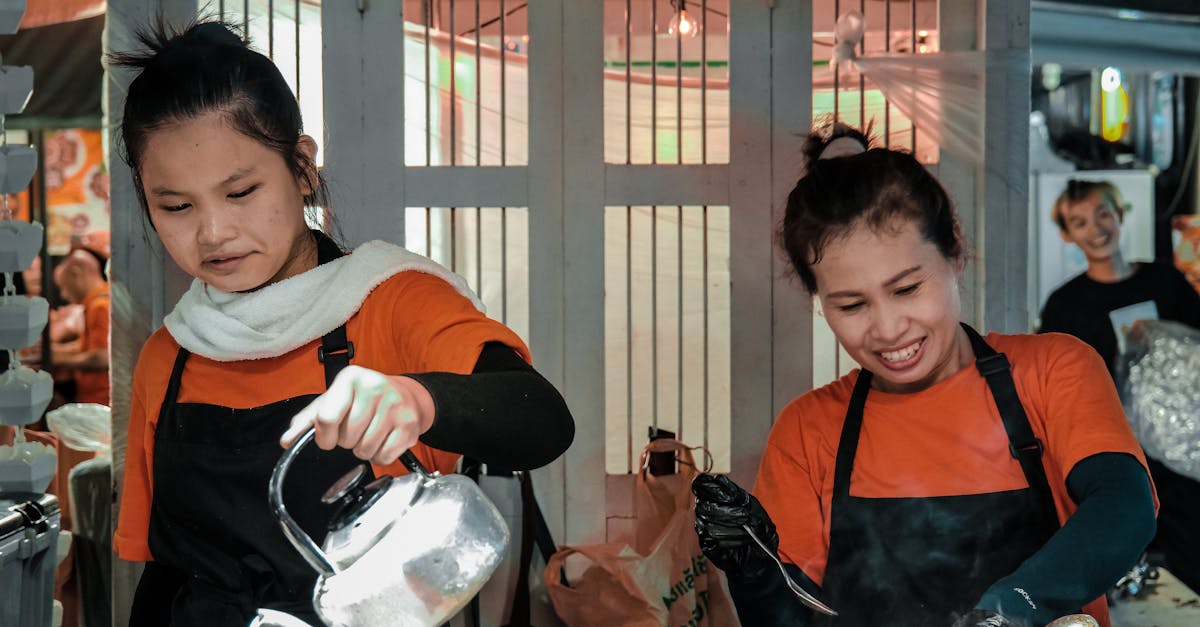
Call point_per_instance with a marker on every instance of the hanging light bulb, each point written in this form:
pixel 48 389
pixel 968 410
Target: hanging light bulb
pixel 683 25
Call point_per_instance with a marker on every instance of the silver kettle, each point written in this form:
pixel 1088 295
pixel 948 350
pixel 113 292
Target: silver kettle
pixel 402 551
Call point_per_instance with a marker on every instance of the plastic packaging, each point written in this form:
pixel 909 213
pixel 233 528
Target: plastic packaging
pixel 1158 376
pixel 82 426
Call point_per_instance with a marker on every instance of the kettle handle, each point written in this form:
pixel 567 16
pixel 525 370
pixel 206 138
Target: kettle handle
pixel 414 465
pixel 304 544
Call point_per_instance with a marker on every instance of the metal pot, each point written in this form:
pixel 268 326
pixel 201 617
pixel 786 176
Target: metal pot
pixel 402 551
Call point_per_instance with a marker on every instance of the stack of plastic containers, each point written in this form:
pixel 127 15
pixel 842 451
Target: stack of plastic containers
pixel 29 519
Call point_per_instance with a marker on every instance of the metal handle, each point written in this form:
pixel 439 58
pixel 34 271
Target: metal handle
pixel 304 544
pixel 414 465
pixel 805 598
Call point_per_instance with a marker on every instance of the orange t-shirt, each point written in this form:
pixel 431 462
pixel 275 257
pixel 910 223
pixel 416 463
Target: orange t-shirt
pixel 413 322
pixel 945 440
pixel 91 386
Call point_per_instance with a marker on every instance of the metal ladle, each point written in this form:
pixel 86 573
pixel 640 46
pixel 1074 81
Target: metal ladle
pixel 805 598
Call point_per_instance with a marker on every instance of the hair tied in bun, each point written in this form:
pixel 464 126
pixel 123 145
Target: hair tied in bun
pixel 214 33
pixel 843 146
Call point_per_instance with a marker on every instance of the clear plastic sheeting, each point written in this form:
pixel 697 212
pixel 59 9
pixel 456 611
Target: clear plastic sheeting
pixel 941 92
pixel 1158 376
pixel 82 426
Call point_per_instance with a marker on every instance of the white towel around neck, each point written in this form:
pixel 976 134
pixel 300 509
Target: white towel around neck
pixel 284 316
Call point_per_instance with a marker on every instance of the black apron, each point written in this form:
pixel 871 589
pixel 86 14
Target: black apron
pixel 210 519
pixel 916 561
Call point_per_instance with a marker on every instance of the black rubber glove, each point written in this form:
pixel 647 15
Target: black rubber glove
pixel 986 618
pixel 721 509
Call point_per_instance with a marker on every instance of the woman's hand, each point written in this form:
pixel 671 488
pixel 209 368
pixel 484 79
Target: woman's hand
pixel 375 415
pixel 722 508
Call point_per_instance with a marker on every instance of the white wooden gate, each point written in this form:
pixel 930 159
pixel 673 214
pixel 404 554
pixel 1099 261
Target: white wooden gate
pixel 610 188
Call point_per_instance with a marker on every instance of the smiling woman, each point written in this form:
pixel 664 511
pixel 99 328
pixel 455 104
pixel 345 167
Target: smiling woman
pixel 919 490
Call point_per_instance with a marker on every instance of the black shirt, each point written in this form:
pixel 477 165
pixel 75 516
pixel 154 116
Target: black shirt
pixel 1081 306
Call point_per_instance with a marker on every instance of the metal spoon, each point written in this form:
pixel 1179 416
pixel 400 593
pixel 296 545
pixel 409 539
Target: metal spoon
pixel 804 596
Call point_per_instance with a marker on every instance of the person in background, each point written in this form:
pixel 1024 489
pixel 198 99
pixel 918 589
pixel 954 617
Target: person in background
pixel 1089 215
pixel 1111 294
pixel 378 350
pixel 954 479
pixel 81 280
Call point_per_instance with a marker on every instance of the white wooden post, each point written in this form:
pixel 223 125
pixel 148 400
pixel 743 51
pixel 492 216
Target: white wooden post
pixel 583 263
pixel 791 112
pixel 547 311
pixel 1004 216
pixel 750 225
pixel 144 280
pixel 364 118
pixel 958 29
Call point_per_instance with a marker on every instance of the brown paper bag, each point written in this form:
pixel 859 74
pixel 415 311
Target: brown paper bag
pixel 663 580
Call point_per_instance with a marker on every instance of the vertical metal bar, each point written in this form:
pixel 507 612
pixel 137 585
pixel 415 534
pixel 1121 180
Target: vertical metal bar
pixel 679 321
pixel 628 82
pixel 297 34
pixel 654 314
pixel 221 9
pixel 703 81
pixel 837 9
pixel 887 47
pixel 704 308
pixel 503 93
pixel 862 80
pixel 654 83
pixel 429 232
pixel 426 8
pixel 453 231
pixel 271 29
pixel 679 89
pixel 913 50
pixel 629 335
pixel 453 89
pixel 245 18
pixel 503 252
pixel 479 249
pixel 478 92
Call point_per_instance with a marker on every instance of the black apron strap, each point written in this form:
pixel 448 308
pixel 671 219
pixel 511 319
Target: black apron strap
pixel 172 394
pixel 1022 444
pixel 336 350
pixel 335 353
pixel 848 445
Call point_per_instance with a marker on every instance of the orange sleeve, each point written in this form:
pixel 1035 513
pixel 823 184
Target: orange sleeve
pixel 133 522
pixel 444 328
pixel 792 494
pixel 1084 416
pixel 95 324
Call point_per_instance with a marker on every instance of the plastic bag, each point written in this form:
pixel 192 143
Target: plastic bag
pixel 82 426
pixel 668 582
pixel 1158 377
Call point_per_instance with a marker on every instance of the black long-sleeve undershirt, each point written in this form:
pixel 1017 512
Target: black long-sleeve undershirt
pixel 1099 543
pixel 504 413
